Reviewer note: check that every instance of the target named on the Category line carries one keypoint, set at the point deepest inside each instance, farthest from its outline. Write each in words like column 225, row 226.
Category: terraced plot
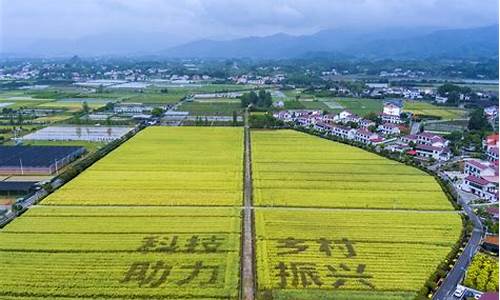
column 318, row 254
column 121, row 253
column 164, row 166
column 299, row 170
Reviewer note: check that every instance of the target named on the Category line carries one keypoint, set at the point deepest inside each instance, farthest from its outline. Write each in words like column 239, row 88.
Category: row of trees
column 261, row 100
column 454, row 92
column 478, row 128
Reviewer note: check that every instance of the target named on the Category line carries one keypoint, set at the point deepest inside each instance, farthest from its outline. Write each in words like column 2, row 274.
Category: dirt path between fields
column 247, row 270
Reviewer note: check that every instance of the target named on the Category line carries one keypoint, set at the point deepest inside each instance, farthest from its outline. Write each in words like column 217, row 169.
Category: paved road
column 415, row 128
column 247, row 274
column 26, row 204
column 445, row 292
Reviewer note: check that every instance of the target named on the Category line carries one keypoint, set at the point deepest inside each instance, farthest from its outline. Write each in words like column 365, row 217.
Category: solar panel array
column 36, row 156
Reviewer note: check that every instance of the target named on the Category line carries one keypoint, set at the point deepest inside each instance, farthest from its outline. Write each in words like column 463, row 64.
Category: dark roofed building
column 490, row 243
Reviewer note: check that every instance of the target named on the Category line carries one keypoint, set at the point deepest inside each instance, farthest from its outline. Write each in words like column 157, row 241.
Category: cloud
column 184, row 20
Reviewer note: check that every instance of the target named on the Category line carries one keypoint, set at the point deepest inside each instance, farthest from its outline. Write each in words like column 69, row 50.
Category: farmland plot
column 164, row 166
column 318, row 254
column 117, row 253
column 295, row 169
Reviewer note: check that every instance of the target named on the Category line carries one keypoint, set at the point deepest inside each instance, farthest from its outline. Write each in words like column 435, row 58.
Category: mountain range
column 395, row 43
column 391, row 43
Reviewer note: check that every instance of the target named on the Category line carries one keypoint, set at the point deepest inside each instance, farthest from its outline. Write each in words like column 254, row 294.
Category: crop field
column 298, row 170
column 164, row 166
column 427, row 109
column 23, row 102
column 74, row 105
column 175, row 94
column 160, row 218
column 51, row 119
column 319, row 254
column 121, row 253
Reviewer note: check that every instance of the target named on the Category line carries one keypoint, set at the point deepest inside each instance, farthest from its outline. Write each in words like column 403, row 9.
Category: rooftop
column 428, row 148
column 477, row 180
column 491, row 239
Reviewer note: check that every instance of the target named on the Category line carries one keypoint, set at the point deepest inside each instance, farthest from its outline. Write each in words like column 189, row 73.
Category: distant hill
column 340, row 43
column 393, row 43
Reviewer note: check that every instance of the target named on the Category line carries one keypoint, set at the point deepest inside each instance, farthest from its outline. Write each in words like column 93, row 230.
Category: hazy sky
column 182, row 20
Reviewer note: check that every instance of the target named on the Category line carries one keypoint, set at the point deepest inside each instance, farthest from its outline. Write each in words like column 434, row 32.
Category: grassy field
column 296, row 169
column 164, row 166
column 428, row 109
column 319, row 105
column 210, row 108
column 121, row 253
column 360, row 106
column 350, row 254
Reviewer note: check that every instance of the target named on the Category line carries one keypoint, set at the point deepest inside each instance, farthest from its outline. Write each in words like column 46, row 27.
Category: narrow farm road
column 247, row 271
column 455, row 276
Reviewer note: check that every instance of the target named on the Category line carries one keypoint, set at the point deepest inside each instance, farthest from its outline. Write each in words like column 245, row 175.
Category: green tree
column 235, row 118
column 20, row 118
column 372, row 116
column 478, row 121
column 109, row 106
column 100, row 89
column 85, row 107
column 157, row 112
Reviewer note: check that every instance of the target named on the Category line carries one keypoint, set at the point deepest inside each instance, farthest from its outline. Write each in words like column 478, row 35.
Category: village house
column 427, row 138
column 397, row 147
column 490, row 144
column 411, row 138
column 491, row 112
column 352, row 118
column 284, row 115
column 389, row 129
column 493, row 212
column 343, row 132
column 490, row 243
column 479, row 168
column 437, row 153
column 329, row 118
column 441, row 100
column 364, row 136
column 490, row 141
column 323, row 127
column 427, row 146
column 279, row 104
column 392, row 111
column 342, row 115
column 364, row 123
column 481, row 179
column 492, row 154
